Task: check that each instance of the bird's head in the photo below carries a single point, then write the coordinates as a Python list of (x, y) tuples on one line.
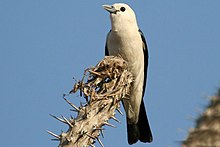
[(122, 16)]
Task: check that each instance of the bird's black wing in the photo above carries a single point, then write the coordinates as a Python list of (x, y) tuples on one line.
[(143, 124), (145, 51), (106, 47)]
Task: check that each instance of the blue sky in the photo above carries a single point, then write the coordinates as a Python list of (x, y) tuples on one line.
[(44, 43)]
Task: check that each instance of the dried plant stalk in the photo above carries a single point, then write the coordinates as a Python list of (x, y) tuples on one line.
[(106, 85), (207, 130)]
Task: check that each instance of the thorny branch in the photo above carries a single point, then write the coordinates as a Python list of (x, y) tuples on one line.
[(106, 85)]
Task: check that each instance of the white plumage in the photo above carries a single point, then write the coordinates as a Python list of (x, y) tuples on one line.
[(125, 39)]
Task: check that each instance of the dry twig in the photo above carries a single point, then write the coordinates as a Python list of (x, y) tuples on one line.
[(106, 84)]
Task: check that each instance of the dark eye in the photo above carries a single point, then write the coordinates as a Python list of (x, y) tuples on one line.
[(122, 9)]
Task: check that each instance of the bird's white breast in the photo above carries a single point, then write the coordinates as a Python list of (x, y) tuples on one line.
[(129, 46)]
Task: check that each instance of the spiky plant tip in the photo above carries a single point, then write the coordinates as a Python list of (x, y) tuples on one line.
[(103, 87), (207, 130)]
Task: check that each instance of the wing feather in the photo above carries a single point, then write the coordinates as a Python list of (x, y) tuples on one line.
[(145, 51)]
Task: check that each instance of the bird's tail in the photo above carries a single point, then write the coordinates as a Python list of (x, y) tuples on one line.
[(140, 131)]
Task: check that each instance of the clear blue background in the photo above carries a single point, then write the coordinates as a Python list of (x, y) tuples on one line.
[(44, 43)]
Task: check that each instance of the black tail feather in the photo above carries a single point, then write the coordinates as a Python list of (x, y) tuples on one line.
[(133, 133), (143, 125), (140, 131)]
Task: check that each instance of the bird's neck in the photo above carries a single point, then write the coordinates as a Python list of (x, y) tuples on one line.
[(124, 27)]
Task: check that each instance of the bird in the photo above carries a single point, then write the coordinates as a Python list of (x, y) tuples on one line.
[(125, 39)]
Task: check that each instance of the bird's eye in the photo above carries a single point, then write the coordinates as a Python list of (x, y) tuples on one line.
[(122, 9)]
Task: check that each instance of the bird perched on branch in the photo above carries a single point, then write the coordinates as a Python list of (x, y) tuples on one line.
[(126, 39)]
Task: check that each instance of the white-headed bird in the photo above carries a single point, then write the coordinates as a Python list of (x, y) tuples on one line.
[(126, 40)]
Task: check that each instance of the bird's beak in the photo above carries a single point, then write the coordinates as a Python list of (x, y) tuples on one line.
[(109, 8)]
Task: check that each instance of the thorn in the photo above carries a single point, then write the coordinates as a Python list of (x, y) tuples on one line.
[(108, 124), (68, 139), (81, 83), (71, 117), (65, 95), (115, 119), (55, 139), (72, 120), (67, 121), (90, 136), (53, 134), (76, 108), (101, 131), (60, 119), (98, 129), (100, 142), (81, 104), (119, 111), (95, 73)]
